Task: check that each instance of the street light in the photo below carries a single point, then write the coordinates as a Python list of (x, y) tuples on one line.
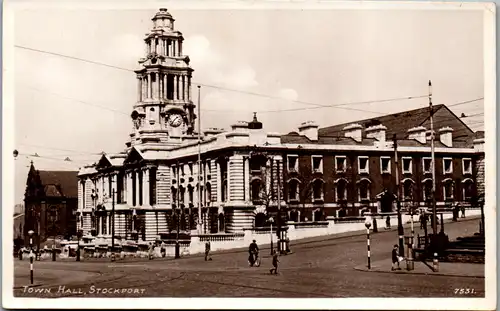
[(367, 225), (79, 235), (271, 221), (30, 233)]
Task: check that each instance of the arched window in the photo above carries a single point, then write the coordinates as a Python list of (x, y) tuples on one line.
[(224, 190), (364, 190), (341, 190), (317, 190), (448, 190), (221, 223), (256, 190), (208, 193), (318, 215), (468, 189), (173, 190), (428, 190), (408, 190), (190, 194), (293, 190), (182, 192)]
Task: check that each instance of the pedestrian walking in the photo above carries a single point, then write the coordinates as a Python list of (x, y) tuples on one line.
[(395, 258), (422, 220), (388, 222), (207, 251), (463, 211), (150, 251), (275, 263)]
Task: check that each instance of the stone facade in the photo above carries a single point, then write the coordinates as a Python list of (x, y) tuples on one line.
[(170, 179)]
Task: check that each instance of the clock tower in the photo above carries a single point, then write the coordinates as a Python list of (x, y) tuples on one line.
[(164, 111)]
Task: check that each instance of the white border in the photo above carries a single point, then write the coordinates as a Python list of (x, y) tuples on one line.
[(231, 303)]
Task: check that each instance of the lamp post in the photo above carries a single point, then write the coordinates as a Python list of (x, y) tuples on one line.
[(271, 221), (94, 197), (79, 235), (367, 225), (30, 233)]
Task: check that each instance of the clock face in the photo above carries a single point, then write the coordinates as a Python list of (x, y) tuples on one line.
[(175, 120)]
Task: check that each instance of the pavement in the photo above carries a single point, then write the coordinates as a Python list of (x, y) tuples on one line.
[(318, 267), (445, 268)]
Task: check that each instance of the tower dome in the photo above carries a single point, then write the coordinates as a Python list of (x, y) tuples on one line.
[(164, 109)]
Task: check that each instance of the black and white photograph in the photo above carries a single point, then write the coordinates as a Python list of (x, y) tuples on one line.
[(309, 151)]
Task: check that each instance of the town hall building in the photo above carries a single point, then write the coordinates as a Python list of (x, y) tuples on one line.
[(242, 176)]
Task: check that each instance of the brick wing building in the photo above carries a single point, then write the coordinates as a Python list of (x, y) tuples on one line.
[(350, 167)]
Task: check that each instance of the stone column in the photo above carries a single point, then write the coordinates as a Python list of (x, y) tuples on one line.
[(129, 188), (145, 187), (157, 85), (137, 188), (139, 89), (165, 86), (268, 175), (189, 88), (247, 179), (219, 183), (174, 48), (175, 86), (160, 46), (151, 85), (180, 48), (144, 83)]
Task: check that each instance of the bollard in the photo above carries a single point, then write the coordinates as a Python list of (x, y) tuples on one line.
[(435, 263)]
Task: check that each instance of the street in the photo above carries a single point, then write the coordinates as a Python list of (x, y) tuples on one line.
[(318, 267)]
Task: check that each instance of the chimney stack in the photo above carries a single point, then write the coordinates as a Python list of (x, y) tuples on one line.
[(478, 144), (377, 132), (240, 127), (353, 131), (212, 131), (309, 129), (418, 133), (446, 136)]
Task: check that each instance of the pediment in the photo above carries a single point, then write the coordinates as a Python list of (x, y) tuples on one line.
[(134, 156), (104, 162)]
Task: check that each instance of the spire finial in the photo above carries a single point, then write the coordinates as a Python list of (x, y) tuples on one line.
[(255, 116)]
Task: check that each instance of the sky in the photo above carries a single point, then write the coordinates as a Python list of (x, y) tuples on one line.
[(69, 108)]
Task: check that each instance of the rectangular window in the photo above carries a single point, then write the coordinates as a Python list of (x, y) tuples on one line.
[(427, 165), (363, 165), (447, 166), (293, 163), (466, 166), (385, 165), (407, 165), (317, 164), (340, 164)]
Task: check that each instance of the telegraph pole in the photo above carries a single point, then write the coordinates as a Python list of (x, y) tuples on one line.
[(398, 202), (278, 224), (113, 220), (200, 220), (433, 163), (177, 246)]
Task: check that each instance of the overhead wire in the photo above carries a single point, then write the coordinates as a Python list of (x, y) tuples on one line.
[(318, 106)]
